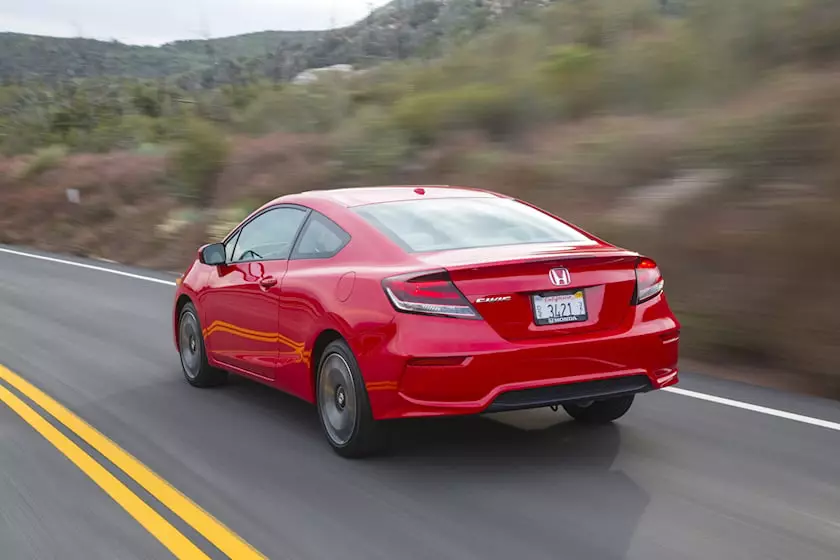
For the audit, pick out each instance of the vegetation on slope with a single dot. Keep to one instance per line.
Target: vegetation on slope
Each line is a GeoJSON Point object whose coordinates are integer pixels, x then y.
{"type": "Point", "coordinates": [400, 29]}
{"type": "Point", "coordinates": [703, 133]}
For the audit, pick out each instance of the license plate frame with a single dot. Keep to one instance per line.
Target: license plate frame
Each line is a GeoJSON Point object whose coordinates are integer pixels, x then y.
{"type": "Point", "coordinates": [577, 312]}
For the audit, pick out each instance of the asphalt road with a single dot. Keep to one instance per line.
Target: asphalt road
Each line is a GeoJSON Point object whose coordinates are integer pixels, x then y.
{"type": "Point", "coordinates": [677, 478]}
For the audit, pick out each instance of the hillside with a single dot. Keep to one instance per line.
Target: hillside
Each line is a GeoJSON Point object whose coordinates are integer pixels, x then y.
{"type": "Point", "coordinates": [53, 59]}
{"type": "Point", "coordinates": [400, 29]}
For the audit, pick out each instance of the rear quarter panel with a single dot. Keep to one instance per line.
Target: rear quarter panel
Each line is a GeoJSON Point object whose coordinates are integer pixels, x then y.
{"type": "Point", "coordinates": [342, 294]}
{"type": "Point", "coordinates": [311, 306]}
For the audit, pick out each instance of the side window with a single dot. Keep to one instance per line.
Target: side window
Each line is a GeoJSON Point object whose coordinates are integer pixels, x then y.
{"type": "Point", "coordinates": [321, 239]}
{"type": "Point", "coordinates": [269, 236]}
{"type": "Point", "coordinates": [229, 246]}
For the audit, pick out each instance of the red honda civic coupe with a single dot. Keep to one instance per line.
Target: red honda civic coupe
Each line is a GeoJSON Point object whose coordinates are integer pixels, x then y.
{"type": "Point", "coordinates": [382, 303]}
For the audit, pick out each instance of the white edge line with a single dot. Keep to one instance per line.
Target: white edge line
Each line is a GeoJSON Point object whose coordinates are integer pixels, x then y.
{"type": "Point", "coordinates": [693, 394]}
{"type": "Point", "coordinates": [756, 408]}
{"type": "Point", "coordinates": [89, 267]}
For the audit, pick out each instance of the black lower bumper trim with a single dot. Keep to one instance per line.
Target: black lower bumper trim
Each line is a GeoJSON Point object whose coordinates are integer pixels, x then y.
{"type": "Point", "coordinates": [570, 393]}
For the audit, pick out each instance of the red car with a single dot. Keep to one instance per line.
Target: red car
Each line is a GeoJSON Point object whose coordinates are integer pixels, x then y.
{"type": "Point", "coordinates": [396, 302]}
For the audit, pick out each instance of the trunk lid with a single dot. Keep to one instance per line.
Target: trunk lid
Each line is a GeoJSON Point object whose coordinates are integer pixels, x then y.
{"type": "Point", "coordinates": [518, 295]}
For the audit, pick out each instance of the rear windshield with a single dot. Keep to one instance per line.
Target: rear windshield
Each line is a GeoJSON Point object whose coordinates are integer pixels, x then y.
{"type": "Point", "coordinates": [464, 223]}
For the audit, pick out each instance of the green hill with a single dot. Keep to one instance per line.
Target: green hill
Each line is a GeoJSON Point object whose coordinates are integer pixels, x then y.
{"type": "Point", "coordinates": [400, 29]}
{"type": "Point", "coordinates": [51, 59]}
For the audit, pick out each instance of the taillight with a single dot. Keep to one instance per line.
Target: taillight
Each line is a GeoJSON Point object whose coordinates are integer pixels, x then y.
{"type": "Point", "coordinates": [649, 281]}
{"type": "Point", "coordinates": [430, 293]}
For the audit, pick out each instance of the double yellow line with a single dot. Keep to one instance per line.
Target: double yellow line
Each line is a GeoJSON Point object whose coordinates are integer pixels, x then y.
{"type": "Point", "coordinates": [213, 530]}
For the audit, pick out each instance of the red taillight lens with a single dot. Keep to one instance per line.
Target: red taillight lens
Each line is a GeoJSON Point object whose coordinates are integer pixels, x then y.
{"type": "Point", "coordinates": [649, 281]}
{"type": "Point", "coordinates": [430, 293]}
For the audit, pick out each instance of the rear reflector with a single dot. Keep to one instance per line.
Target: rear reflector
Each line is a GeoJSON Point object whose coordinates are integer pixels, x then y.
{"type": "Point", "coordinates": [670, 336]}
{"type": "Point", "coordinates": [430, 293]}
{"type": "Point", "coordinates": [439, 362]}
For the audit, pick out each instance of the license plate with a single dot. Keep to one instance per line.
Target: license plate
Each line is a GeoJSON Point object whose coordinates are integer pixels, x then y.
{"type": "Point", "coordinates": [553, 309]}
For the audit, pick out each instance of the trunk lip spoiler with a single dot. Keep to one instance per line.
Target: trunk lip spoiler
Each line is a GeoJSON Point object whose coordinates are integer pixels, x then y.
{"type": "Point", "coordinates": [513, 259]}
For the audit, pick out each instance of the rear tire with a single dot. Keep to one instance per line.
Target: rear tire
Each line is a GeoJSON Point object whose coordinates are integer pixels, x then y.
{"type": "Point", "coordinates": [600, 412]}
{"type": "Point", "coordinates": [196, 368]}
{"type": "Point", "coordinates": [343, 405]}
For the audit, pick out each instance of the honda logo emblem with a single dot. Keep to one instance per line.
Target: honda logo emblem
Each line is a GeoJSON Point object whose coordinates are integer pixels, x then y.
{"type": "Point", "coordinates": [560, 277]}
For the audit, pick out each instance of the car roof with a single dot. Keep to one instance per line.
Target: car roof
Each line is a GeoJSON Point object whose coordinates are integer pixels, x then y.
{"type": "Point", "coordinates": [360, 196]}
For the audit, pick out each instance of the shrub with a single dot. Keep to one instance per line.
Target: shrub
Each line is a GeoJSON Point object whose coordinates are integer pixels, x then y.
{"type": "Point", "coordinates": [198, 160]}
{"type": "Point", "coordinates": [122, 133]}
{"type": "Point", "coordinates": [43, 160]}
{"type": "Point", "coordinates": [370, 145]}
{"type": "Point", "coordinates": [226, 219]}
{"type": "Point", "coordinates": [150, 149]}
{"type": "Point", "coordinates": [571, 73]}
{"type": "Point", "coordinates": [798, 130]}
{"type": "Point", "coordinates": [318, 107]}
{"type": "Point", "coordinates": [427, 116]}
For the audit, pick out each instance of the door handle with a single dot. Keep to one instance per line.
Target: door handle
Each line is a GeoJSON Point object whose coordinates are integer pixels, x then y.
{"type": "Point", "coordinates": [268, 282]}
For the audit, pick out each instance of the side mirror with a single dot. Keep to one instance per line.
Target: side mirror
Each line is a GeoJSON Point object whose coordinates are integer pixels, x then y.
{"type": "Point", "coordinates": [213, 254]}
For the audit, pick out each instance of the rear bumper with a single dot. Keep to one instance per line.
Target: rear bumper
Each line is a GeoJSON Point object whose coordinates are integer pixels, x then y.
{"type": "Point", "coordinates": [472, 373]}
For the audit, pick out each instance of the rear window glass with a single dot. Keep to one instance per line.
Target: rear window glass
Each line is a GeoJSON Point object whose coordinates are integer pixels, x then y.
{"type": "Point", "coordinates": [464, 223]}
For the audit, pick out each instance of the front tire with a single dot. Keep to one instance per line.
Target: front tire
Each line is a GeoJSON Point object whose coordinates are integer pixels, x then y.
{"type": "Point", "coordinates": [197, 370]}
{"type": "Point", "coordinates": [343, 406]}
{"type": "Point", "coordinates": [600, 412]}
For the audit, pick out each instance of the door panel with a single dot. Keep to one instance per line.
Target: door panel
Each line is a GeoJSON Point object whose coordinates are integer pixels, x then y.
{"type": "Point", "coordinates": [241, 330]}
{"type": "Point", "coordinates": [241, 302]}
{"type": "Point", "coordinates": [310, 283]}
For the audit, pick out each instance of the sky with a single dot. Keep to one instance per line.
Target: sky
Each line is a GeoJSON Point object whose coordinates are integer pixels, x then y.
{"type": "Point", "coordinates": [153, 22]}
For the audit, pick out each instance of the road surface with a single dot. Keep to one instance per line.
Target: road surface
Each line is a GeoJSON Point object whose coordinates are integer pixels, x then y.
{"type": "Point", "coordinates": [679, 477]}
